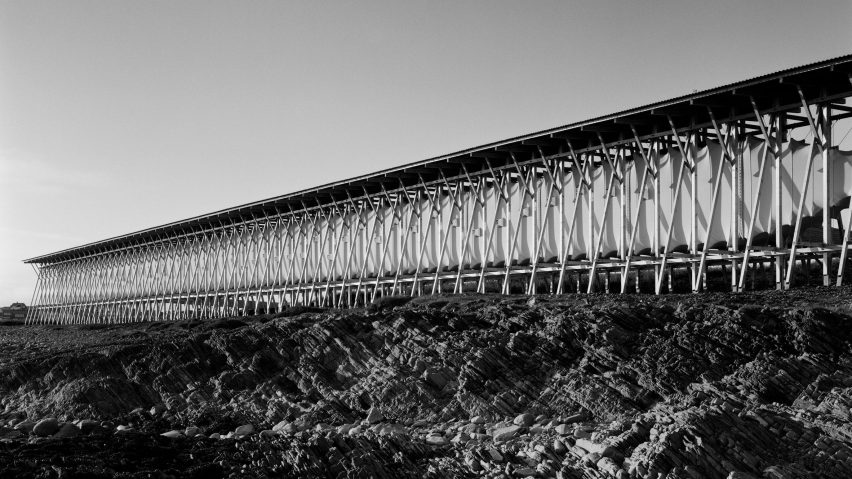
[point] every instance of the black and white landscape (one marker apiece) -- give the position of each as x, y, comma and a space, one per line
259, 240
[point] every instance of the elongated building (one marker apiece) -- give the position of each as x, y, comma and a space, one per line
738, 187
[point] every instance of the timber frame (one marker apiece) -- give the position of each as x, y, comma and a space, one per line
653, 199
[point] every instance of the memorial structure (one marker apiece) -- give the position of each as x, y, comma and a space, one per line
741, 186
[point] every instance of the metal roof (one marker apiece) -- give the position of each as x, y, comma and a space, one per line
820, 81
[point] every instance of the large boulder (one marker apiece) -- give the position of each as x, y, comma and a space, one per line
46, 427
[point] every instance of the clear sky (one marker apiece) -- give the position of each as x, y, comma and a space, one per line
116, 115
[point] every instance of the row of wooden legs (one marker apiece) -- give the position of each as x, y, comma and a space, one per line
641, 279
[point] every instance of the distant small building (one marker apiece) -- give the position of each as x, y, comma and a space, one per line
17, 311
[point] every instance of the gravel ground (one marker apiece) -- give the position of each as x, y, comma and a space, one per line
691, 386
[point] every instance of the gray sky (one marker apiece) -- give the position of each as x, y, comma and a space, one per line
116, 116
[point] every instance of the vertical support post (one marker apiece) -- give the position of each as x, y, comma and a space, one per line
693, 215
726, 156
826, 191
578, 189
799, 215
685, 163
634, 227
736, 199
756, 200
777, 211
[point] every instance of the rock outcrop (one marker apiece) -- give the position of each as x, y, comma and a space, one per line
577, 386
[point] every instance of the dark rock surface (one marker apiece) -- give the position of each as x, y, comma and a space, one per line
684, 386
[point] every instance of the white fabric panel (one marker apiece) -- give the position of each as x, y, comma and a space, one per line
362, 244
643, 204
607, 216
497, 210
841, 162
796, 162
599, 180
705, 167
751, 179
422, 243
841, 174
525, 214
709, 159
550, 215
333, 270
474, 241
432, 222
498, 243
448, 230
670, 164
580, 236
408, 246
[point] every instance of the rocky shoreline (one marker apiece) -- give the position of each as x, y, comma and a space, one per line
680, 386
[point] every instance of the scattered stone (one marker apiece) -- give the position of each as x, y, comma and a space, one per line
192, 431
280, 426
524, 472
559, 447
506, 433
608, 466
268, 433
524, 420
602, 449
244, 430
26, 426
374, 416
174, 434
46, 427
574, 418
156, 410
472, 463
591, 459
215, 435
436, 440
391, 430
478, 420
